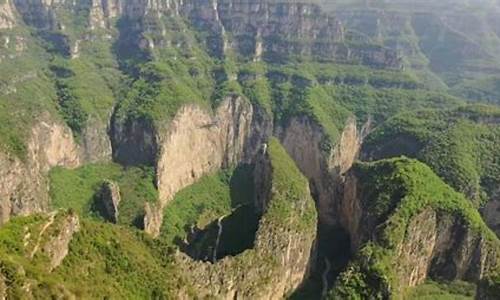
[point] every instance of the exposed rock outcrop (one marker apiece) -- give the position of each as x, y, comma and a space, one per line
96, 144
280, 259
491, 212
110, 199
153, 218
23, 188
7, 17
57, 246
52, 237
197, 143
134, 142
436, 243
303, 139
277, 30
260, 29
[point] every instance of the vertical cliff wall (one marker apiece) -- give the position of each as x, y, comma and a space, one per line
269, 30
438, 238
197, 142
24, 188
302, 138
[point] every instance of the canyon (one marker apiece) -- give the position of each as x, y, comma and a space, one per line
242, 149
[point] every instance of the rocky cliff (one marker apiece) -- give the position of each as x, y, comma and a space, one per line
491, 212
439, 238
7, 17
284, 243
303, 140
96, 143
277, 31
273, 31
109, 199
24, 189
49, 241
197, 142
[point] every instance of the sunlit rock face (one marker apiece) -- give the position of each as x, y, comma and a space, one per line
24, 187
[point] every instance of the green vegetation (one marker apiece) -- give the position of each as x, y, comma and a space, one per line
460, 145
290, 189
458, 290
81, 76
77, 189
203, 202
485, 89
104, 260
432, 36
26, 92
71, 109
39, 81
394, 191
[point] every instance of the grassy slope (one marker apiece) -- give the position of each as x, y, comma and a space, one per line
443, 291
460, 145
104, 260
77, 188
289, 189
26, 91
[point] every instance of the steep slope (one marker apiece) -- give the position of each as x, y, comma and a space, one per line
93, 260
61, 256
125, 77
459, 145
406, 225
185, 96
284, 242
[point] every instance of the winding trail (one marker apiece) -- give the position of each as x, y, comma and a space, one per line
44, 228
324, 278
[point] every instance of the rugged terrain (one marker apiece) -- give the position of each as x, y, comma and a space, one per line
249, 149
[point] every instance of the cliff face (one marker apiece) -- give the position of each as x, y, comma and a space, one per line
96, 142
273, 31
436, 243
7, 17
279, 261
302, 138
197, 143
24, 188
491, 212
134, 142
276, 31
